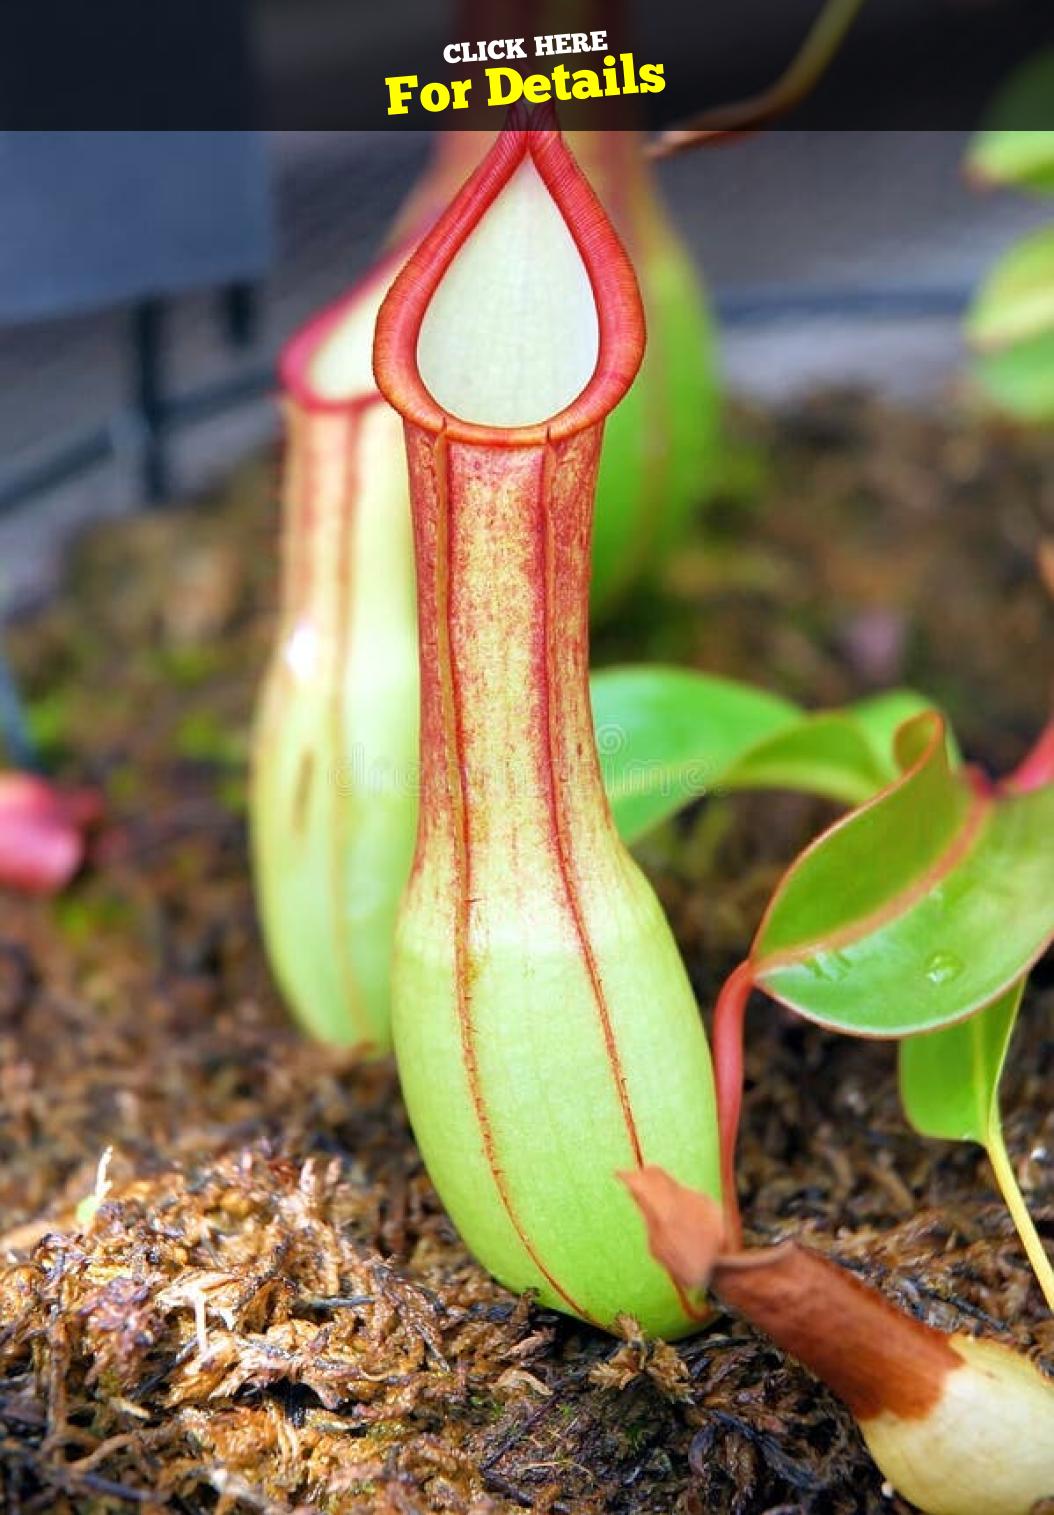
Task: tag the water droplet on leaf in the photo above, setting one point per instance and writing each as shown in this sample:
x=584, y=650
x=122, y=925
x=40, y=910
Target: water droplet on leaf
x=942, y=967
x=840, y=965
x=829, y=967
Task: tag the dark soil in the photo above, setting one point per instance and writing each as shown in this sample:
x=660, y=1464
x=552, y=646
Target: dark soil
x=266, y=1309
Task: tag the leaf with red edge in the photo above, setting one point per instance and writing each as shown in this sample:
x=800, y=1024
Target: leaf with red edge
x=911, y=914
x=919, y=907
x=42, y=832
x=667, y=736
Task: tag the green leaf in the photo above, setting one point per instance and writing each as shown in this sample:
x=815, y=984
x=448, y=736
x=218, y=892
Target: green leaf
x=918, y=908
x=1006, y=152
x=822, y=754
x=949, y=1080
x=844, y=755
x=1021, y=379
x=1023, y=159
x=1016, y=301
x=666, y=736
x=1011, y=328
x=949, y=1087
x=881, y=716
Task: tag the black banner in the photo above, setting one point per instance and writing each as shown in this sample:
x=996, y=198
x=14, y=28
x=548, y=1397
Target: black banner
x=420, y=64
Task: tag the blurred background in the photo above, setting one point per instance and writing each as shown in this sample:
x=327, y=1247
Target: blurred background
x=149, y=276
x=139, y=324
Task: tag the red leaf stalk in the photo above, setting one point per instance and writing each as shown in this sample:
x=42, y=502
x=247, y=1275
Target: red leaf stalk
x=959, y=1426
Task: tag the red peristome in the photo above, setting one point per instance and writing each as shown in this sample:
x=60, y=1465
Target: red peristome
x=526, y=493
x=619, y=311
x=303, y=346
x=42, y=832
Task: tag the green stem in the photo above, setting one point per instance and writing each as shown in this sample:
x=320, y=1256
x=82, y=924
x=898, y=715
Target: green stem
x=1015, y=1203
x=805, y=69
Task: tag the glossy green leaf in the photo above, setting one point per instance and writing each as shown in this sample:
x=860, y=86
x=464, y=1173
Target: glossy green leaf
x=949, y=1087
x=1016, y=302
x=1010, y=150
x=949, y=1080
x=880, y=717
x=1021, y=379
x=916, y=909
x=1011, y=328
x=823, y=754
x=667, y=736
x=844, y=755
x=1022, y=159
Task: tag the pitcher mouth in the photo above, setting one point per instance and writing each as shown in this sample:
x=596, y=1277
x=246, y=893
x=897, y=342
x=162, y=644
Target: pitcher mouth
x=615, y=297
x=310, y=368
